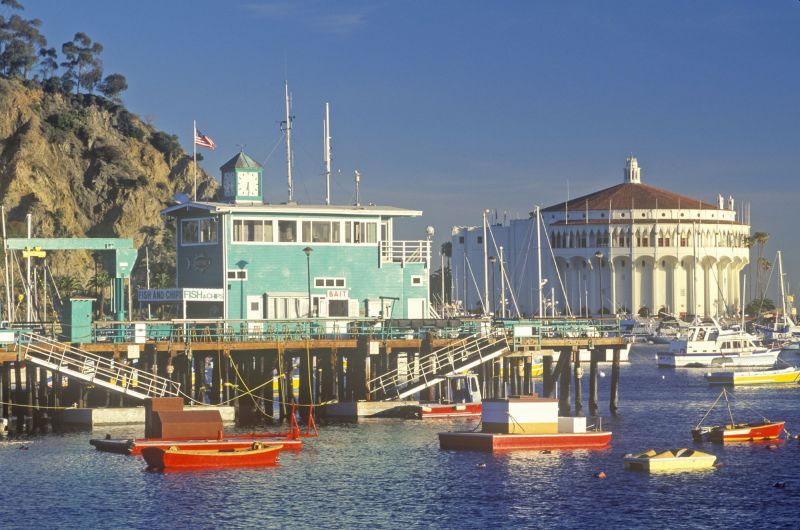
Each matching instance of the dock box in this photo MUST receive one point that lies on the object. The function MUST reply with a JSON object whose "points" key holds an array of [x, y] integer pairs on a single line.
{"points": [[520, 415], [153, 405], [201, 424], [567, 424]]}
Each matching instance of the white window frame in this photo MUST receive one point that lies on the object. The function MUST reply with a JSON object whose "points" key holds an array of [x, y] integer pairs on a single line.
{"points": [[263, 220], [199, 221]]}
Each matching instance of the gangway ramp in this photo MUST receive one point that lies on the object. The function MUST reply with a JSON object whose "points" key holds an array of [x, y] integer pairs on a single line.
{"points": [[434, 367], [92, 368]]}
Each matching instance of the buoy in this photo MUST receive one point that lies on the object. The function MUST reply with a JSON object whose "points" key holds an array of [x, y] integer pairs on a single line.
{"points": [[663, 377], [772, 447], [602, 474], [481, 465], [781, 485]]}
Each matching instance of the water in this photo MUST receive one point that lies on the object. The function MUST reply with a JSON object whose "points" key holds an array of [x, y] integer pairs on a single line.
{"points": [[391, 473]]}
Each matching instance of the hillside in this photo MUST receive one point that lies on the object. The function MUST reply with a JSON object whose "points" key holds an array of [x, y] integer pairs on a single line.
{"points": [[84, 166]]}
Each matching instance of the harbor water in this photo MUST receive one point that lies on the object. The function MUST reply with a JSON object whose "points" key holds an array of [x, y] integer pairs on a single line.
{"points": [[392, 474]]}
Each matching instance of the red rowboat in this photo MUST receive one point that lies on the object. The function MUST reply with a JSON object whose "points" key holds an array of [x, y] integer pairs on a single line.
{"points": [[735, 432], [740, 432], [174, 458], [453, 410]]}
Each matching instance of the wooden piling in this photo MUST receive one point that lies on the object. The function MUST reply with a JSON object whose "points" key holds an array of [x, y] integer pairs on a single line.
{"points": [[548, 380], [593, 383], [613, 404], [565, 377], [578, 372]]}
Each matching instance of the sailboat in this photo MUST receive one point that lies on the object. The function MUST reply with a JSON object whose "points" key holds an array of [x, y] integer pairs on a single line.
{"points": [[764, 429], [782, 328]]}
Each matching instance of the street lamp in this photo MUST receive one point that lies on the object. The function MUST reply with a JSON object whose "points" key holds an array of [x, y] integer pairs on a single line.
{"points": [[492, 260], [308, 251], [599, 256]]}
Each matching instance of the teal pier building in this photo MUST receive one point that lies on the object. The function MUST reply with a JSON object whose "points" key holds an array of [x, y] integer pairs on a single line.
{"points": [[243, 258]]}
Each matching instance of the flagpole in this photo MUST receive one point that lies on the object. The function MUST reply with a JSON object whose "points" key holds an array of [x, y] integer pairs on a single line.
{"points": [[194, 158]]}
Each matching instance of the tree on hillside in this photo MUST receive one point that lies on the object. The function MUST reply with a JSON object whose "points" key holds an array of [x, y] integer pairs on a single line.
{"points": [[760, 239], [20, 41], [48, 63], [82, 62], [113, 85], [13, 4]]}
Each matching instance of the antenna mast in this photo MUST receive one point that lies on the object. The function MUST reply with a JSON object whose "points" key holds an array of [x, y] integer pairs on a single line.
{"points": [[358, 181], [288, 129], [326, 130]]}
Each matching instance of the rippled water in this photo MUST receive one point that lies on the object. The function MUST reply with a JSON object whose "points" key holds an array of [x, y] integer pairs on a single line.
{"points": [[391, 473]]}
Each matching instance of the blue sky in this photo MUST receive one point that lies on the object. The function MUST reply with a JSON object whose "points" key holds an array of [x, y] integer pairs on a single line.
{"points": [[452, 107]]}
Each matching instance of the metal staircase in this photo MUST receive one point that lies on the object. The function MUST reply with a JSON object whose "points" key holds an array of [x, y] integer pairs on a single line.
{"points": [[92, 368], [457, 357]]}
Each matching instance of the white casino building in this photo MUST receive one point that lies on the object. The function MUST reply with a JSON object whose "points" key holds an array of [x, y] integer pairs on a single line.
{"points": [[635, 247]]}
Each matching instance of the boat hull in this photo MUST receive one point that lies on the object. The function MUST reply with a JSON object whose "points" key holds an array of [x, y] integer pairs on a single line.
{"points": [[478, 441], [705, 360], [789, 375], [687, 460], [745, 432], [455, 410], [174, 458], [135, 446]]}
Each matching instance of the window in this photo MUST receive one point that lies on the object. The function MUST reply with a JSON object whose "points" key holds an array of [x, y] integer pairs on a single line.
{"points": [[330, 282], [416, 280], [348, 232], [365, 232], [336, 228], [252, 231], [320, 232], [461, 239], [480, 239], [287, 231], [198, 231], [237, 274]]}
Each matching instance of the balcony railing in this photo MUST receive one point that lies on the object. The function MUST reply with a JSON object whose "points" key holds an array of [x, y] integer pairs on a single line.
{"points": [[403, 252]]}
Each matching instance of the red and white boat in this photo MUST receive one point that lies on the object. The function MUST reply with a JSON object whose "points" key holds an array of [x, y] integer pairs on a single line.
{"points": [[735, 432], [525, 423], [462, 399], [175, 458]]}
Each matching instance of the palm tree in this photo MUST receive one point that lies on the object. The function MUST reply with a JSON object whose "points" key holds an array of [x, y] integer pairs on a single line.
{"points": [[760, 239], [99, 283]]}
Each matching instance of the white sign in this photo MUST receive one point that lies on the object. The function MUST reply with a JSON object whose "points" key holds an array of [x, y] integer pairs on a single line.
{"points": [[338, 294], [188, 294], [133, 351]]}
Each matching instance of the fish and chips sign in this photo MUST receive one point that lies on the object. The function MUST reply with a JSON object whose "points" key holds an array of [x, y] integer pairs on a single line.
{"points": [[182, 294]]}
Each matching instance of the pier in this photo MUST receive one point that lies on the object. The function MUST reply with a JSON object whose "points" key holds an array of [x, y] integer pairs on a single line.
{"points": [[337, 365]]}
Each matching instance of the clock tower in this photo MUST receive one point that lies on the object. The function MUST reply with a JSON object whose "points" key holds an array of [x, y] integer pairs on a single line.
{"points": [[242, 179]]}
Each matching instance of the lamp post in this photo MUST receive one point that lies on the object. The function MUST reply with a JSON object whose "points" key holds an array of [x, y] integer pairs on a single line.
{"points": [[490, 306], [599, 256], [308, 251]]}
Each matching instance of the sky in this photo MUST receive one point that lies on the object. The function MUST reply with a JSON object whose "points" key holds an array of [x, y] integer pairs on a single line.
{"points": [[452, 107]]}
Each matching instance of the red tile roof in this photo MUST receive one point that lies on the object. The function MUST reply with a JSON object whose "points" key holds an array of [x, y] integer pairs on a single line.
{"points": [[628, 195]]}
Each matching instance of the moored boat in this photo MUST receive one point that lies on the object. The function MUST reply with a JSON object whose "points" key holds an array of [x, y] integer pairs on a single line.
{"points": [[175, 458], [763, 429], [761, 377], [525, 423], [680, 460], [462, 398]]}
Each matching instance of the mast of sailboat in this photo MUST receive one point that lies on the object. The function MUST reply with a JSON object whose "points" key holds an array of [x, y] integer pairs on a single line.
{"points": [[326, 131], [783, 292], [744, 290], [539, 259], [486, 308], [288, 130]]}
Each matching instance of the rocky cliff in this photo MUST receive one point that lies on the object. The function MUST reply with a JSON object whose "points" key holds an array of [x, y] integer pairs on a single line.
{"points": [[84, 166]]}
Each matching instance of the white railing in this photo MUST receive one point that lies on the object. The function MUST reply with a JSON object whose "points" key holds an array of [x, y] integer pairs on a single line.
{"points": [[456, 357], [403, 252]]}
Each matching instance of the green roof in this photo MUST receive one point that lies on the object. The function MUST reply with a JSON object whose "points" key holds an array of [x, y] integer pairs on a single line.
{"points": [[240, 161]]}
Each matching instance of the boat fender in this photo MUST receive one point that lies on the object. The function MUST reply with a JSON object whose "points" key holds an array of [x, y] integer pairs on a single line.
{"points": [[601, 474], [481, 465]]}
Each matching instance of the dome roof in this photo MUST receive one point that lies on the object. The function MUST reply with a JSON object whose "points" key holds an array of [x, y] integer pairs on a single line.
{"points": [[631, 195]]}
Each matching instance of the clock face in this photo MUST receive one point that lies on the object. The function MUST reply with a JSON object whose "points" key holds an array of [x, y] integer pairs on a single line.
{"points": [[247, 184]]}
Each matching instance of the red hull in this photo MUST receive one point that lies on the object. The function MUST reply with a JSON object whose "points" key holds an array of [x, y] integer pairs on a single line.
{"points": [[747, 432], [478, 441], [174, 458], [436, 410]]}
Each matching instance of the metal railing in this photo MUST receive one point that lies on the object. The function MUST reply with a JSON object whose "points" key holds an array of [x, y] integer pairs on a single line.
{"points": [[92, 368], [456, 357], [403, 252], [214, 330]]}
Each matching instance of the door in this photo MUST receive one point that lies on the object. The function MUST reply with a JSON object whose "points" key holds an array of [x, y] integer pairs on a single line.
{"points": [[255, 312], [417, 308]]}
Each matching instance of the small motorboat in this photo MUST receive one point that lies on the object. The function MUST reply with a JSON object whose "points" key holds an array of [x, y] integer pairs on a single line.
{"points": [[764, 429], [174, 458], [680, 460], [761, 377]]}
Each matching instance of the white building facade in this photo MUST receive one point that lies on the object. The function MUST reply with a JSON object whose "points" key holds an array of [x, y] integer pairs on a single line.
{"points": [[628, 249]]}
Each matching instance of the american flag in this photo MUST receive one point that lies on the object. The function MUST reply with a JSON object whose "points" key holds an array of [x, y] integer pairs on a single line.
{"points": [[203, 141]]}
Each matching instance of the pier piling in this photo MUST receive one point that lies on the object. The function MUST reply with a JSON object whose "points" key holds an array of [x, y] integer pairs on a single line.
{"points": [[613, 401]]}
